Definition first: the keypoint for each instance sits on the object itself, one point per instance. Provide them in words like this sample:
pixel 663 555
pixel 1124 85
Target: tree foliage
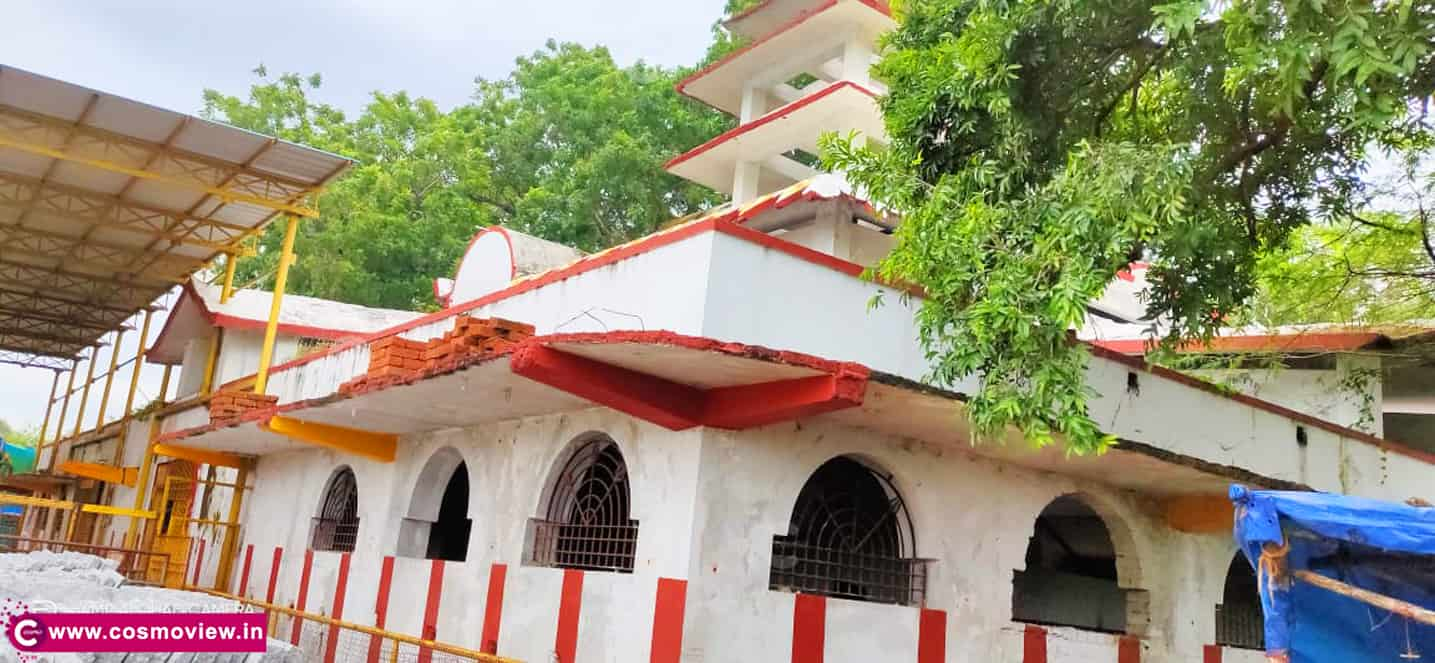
pixel 568 147
pixel 1039 146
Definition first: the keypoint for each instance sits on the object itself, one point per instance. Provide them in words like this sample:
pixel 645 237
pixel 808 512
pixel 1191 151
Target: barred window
pixel 586 524
pixel 1070 577
pixel 1239 620
pixel 850 537
pixel 336 528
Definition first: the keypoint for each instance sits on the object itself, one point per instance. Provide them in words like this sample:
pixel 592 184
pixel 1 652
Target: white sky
pixel 167 53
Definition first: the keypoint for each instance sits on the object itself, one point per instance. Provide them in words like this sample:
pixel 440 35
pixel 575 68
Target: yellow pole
pixel 134 384
pixel 231 534
pixel 266 352
pixel 227 290
pixel 109 380
pixel 147 464
pixel 64 409
pixel 49 406
pixel 207 384
pixel 85 392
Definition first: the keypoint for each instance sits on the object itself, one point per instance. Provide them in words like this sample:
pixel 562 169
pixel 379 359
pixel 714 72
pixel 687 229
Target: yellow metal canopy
pixel 106 203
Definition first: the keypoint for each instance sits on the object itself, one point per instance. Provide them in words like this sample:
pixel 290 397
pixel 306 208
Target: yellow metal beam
pixel 146 468
pixel 109 380
pixel 134 384
pixel 41 502
pixel 29 195
pixel 204 456
pixel 60 426
pixel 37 243
pixel 107 473
pixel 46 136
pixel 376 446
pixel 231 534
pixel 105 510
pixel 85 393
pixel 227 290
pixel 80 287
pixel 49 407
pixel 211 360
pixel 271 328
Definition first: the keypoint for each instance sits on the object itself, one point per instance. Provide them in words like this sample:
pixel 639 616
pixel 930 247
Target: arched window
pixel 437 525
pixel 1070 577
pixel 336 527
pixel 849 537
pixel 1239 620
pixel 586 523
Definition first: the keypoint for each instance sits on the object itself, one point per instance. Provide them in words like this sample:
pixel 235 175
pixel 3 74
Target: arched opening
pixel 587 523
pixel 1239 620
pixel 849 537
pixel 1071 576
pixel 437 525
pixel 336 526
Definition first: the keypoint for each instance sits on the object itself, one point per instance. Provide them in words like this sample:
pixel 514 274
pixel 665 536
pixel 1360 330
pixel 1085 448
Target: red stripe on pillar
pixel 198 564
pixel 244 575
pixel 932 636
pixel 337 610
pixel 493 609
pixel 809 628
pixel 1033 645
pixel 430 631
pixel 570 605
pixel 1129 650
pixel 381 606
pixel 668 621
pixel 303 595
pixel 1211 654
pixel 274 574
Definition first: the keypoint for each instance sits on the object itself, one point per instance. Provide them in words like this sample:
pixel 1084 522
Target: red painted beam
pixel 303 596
pixel 331 645
pixel 198 565
pixel 667 646
pixel 570 606
pixel 244 575
pixel 1033 645
pixel 668 404
pixel 809 628
pixel 932 636
pixel 1128 650
pixel 1211 654
pixel 430 627
pixel 678 406
pixel 274 575
pixel 493 609
pixel 381 606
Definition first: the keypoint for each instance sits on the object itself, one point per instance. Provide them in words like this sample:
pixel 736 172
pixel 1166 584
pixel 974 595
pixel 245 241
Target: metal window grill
pixel 848 538
pixel 336 528
pixel 587 524
pixel 1239 620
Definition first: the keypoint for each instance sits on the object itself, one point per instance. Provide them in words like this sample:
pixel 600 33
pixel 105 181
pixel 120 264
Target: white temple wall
pixel 1348 394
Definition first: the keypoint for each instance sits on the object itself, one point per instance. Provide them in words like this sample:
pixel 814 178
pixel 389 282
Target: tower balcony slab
pixel 841 107
pixel 769 16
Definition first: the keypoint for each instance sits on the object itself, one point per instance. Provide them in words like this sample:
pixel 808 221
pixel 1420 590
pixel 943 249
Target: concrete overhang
pixel 842 107
pixel 767 61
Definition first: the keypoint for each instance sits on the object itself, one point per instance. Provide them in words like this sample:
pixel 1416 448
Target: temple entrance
pixel 171 497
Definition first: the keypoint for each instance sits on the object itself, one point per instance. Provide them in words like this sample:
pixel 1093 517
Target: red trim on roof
pixel 227 321
pixel 1301 417
pixel 773 116
pixel 801 18
pixel 1298 342
pixel 879 5
pixel 512 260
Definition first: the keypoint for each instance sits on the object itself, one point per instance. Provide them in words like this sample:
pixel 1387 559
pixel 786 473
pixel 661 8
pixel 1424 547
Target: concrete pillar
pixel 857 57
pixel 754 104
pixel 745 181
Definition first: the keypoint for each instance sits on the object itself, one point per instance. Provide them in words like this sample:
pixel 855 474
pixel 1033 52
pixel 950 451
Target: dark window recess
pixel 1070 575
pixel 336 528
pixel 587 525
pixel 448 536
pixel 1239 620
pixel 1301 438
pixel 849 537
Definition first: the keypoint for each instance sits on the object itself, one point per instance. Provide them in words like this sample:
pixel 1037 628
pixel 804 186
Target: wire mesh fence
pixel 845 574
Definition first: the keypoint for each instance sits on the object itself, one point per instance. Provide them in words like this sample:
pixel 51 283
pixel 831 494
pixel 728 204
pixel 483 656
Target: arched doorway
pixel 587 521
pixel 849 537
pixel 1071 576
pixel 1239 620
pixel 437 525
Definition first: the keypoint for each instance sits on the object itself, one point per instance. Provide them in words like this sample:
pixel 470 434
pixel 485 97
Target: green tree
pixel 1039 146
pixel 569 147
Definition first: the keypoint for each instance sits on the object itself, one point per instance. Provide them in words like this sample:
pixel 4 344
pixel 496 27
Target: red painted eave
pixel 1304 342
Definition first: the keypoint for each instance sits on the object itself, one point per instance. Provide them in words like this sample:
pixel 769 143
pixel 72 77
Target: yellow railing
pixel 354 643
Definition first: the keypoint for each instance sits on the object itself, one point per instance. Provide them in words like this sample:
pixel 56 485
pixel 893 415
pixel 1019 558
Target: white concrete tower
pixel 805 73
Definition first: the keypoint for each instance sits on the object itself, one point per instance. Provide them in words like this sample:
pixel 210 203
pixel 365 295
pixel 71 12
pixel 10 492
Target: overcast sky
pixel 167 53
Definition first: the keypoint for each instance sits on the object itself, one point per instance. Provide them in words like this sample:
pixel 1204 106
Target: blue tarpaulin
pixel 1378 546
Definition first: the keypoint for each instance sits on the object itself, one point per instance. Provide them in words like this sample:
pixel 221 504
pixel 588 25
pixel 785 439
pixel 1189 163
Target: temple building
pixel 702 445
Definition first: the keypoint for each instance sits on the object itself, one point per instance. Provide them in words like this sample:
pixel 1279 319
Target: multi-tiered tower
pixel 805 72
